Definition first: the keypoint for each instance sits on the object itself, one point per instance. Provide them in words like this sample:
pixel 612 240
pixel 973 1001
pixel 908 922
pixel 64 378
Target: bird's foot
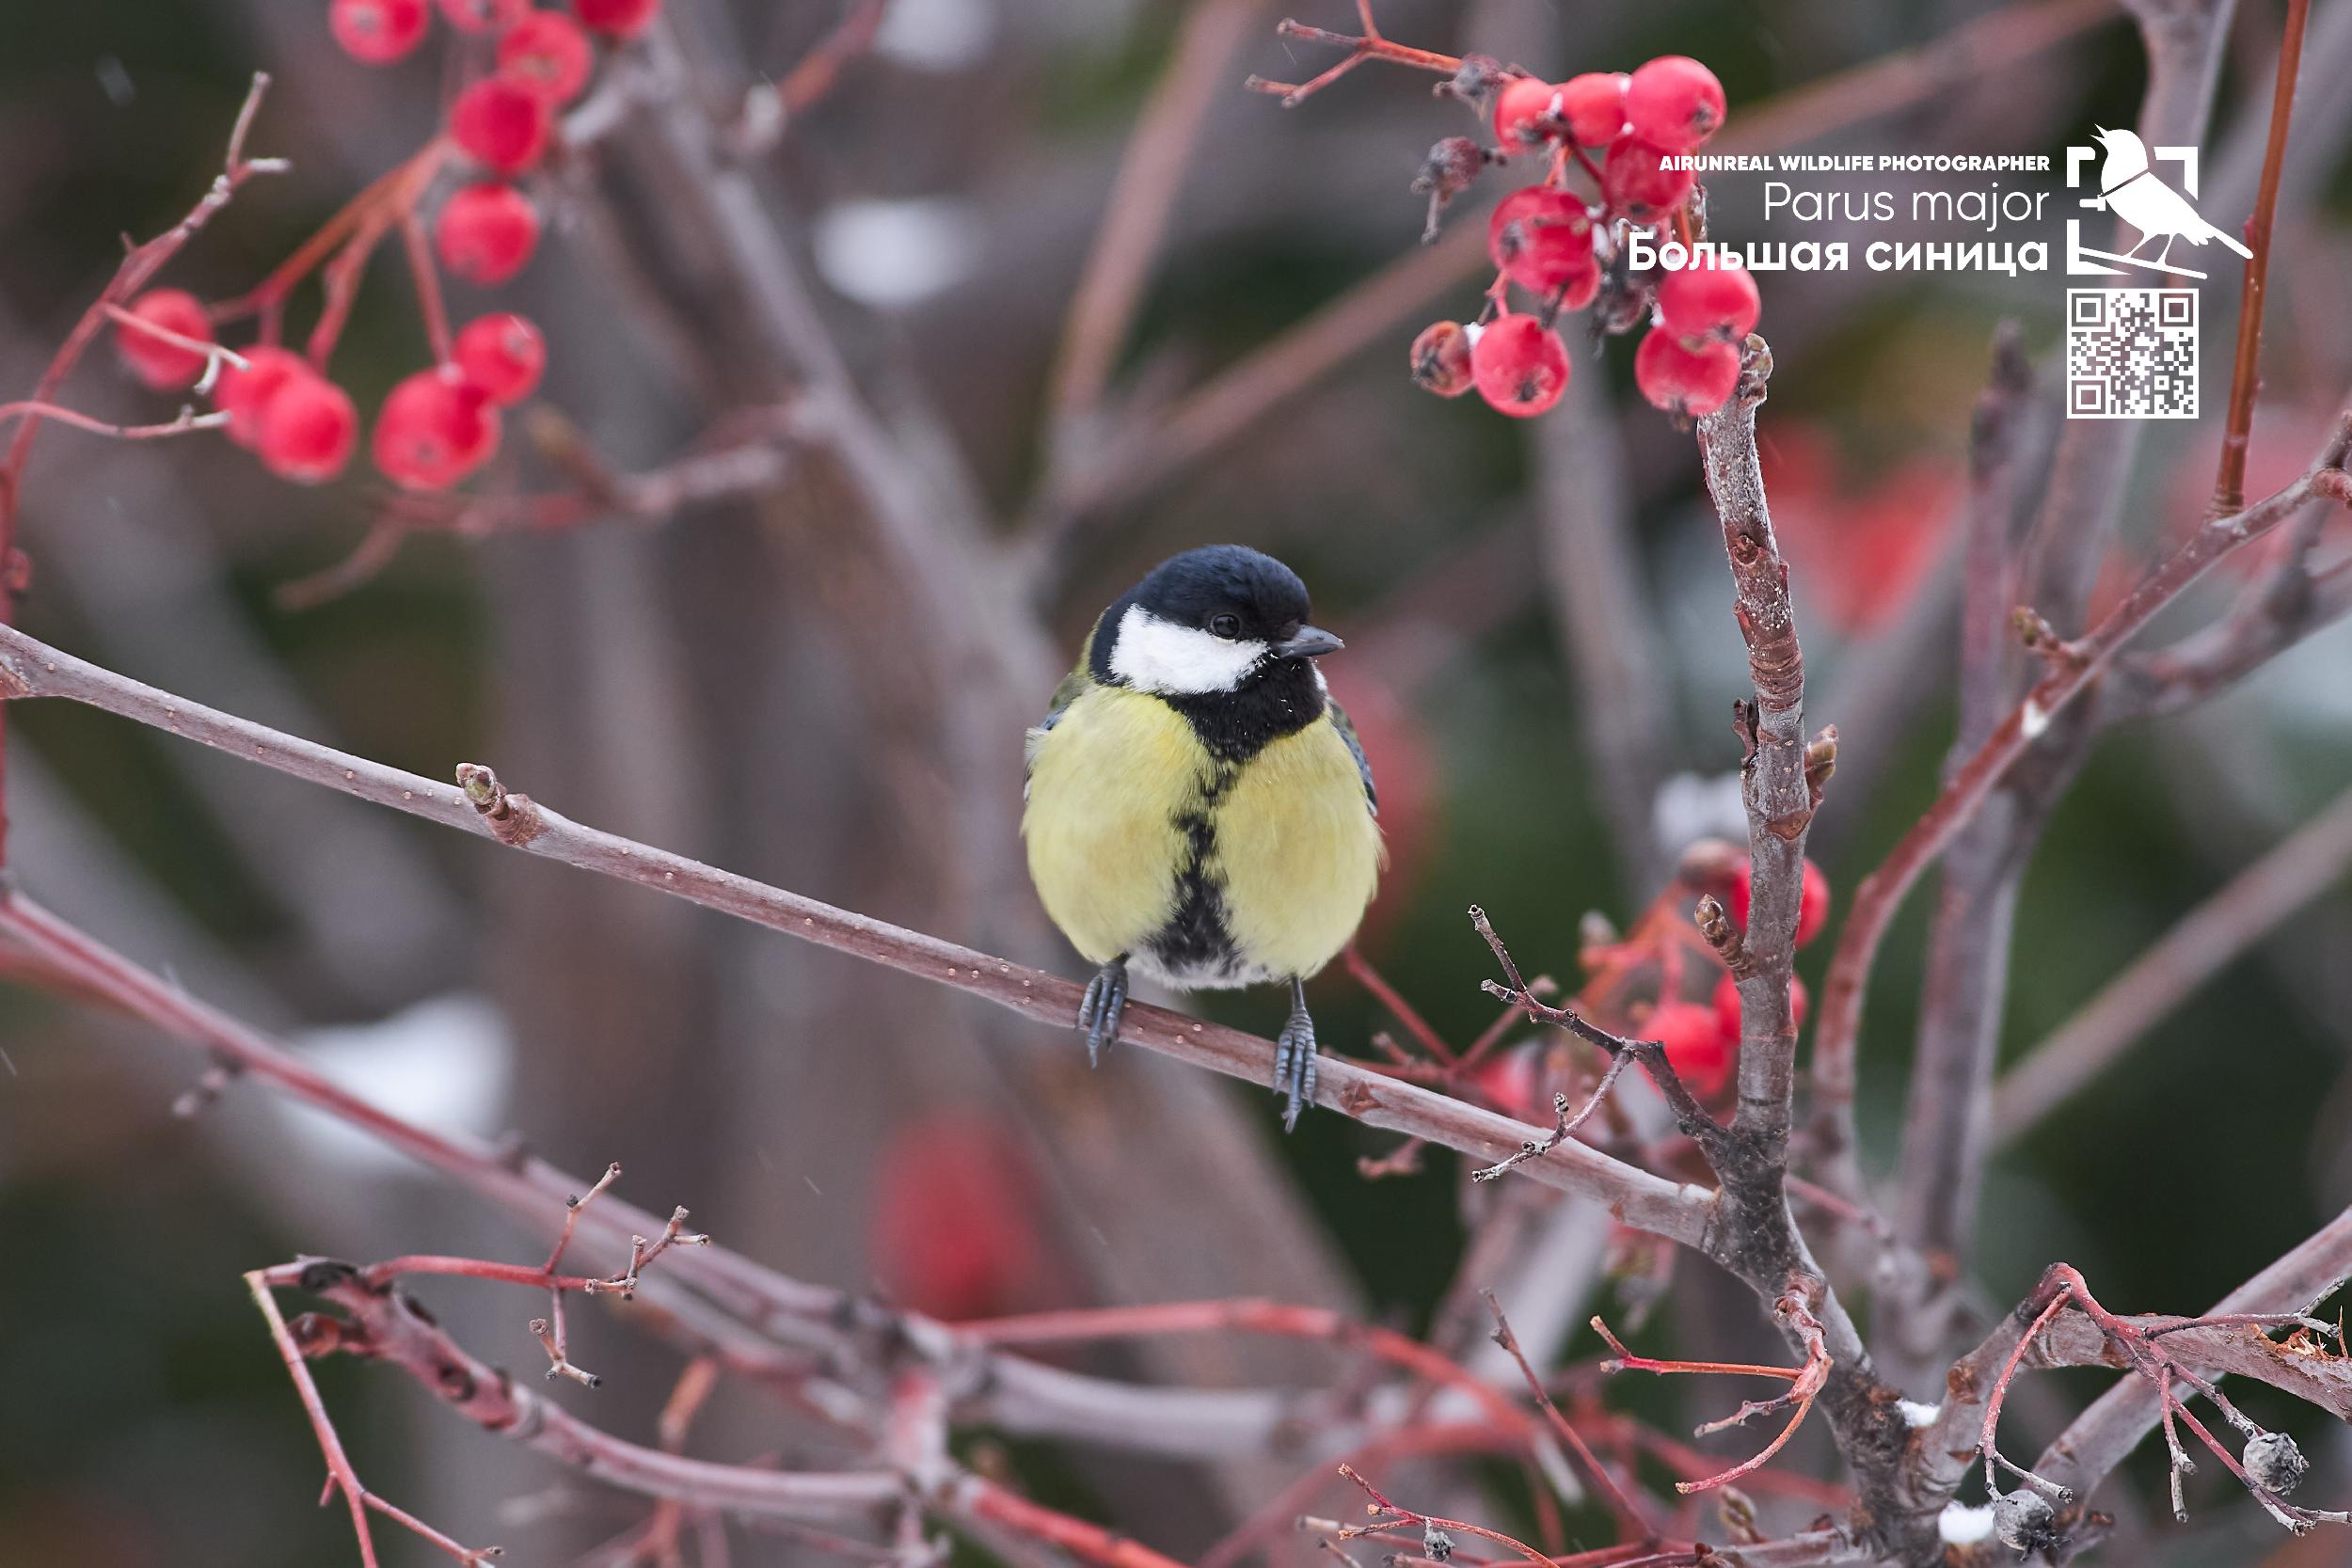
pixel 1295 1060
pixel 1099 1010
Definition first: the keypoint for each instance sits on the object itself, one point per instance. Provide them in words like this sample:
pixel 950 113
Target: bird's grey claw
pixel 1099 1010
pixel 1295 1063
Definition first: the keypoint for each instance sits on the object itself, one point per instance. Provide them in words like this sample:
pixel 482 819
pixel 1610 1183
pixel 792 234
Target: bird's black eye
pixel 1224 626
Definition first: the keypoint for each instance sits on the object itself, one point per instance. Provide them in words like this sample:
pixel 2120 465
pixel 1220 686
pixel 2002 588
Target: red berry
pixel 1520 366
pixel 378 32
pixel 1702 1054
pixel 1442 360
pixel 1594 106
pixel 1633 182
pixel 1812 901
pixel 1691 376
pixel 241 394
pixel 503 355
pixel 1542 239
pixel 956 1231
pixel 483 16
pixel 1716 300
pixel 308 428
pixel 164 367
pixel 1673 102
pixel 436 428
pixel 622 19
pixel 546 53
pixel 1523 102
pixel 485 232
pixel 502 123
pixel 1728 1004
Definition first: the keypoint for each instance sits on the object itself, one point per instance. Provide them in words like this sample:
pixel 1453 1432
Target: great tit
pixel 1198 807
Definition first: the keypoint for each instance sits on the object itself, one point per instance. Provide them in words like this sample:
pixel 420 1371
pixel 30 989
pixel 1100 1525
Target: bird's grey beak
pixel 1309 643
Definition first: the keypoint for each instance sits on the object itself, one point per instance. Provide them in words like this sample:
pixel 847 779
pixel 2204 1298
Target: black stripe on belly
pixel 1195 937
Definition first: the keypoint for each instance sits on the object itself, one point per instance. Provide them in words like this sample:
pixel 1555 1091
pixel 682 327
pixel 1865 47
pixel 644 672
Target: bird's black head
pixel 1215 620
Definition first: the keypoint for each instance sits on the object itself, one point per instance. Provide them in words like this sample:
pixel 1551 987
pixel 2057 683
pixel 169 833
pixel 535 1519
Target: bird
pixel 2141 199
pixel 1197 809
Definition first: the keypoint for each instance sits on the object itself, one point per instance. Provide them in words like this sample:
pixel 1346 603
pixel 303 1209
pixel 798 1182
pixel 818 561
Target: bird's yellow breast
pixel 1137 833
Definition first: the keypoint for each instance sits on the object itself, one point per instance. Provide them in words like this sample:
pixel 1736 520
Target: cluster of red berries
pixel 436 427
pixel 441 423
pixel 1567 251
pixel 1703 1041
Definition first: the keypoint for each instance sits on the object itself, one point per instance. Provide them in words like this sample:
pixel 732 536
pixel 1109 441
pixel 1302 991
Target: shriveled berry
pixel 621 19
pixel 485 232
pixel 1813 899
pixel 1728 1004
pixel 483 16
pixel 1474 79
pixel 1689 377
pixel 1594 106
pixel 1519 365
pixel 546 53
pixel 1442 360
pixel 503 355
pixel 1635 183
pixel 166 367
pixel 1519 107
pixel 378 32
pixel 502 123
pixel 2273 1461
pixel 1673 102
pixel 1716 300
pixel 1541 238
pixel 2025 1521
pixel 241 394
pixel 436 427
pixel 308 429
pixel 1702 1056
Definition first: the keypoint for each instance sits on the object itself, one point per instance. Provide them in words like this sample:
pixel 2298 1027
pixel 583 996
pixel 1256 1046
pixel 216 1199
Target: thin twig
pixel 2229 488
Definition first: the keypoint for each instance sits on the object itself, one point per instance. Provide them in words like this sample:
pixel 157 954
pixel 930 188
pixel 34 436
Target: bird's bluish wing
pixel 1346 727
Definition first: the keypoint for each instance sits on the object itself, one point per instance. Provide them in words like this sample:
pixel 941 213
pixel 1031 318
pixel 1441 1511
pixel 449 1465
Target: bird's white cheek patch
pixel 1161 657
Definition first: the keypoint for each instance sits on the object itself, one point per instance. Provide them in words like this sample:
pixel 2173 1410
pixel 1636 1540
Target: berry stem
pixel 1370 45
pixel 428 282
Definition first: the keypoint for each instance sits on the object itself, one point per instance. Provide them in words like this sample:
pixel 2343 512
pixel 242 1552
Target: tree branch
pixel 482 806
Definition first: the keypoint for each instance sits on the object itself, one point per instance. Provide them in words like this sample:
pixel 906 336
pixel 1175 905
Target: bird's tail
pixel 2232 242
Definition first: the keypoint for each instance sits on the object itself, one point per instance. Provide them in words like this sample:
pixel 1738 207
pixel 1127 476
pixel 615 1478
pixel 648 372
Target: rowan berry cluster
pixel 441 423
pixel 1613 149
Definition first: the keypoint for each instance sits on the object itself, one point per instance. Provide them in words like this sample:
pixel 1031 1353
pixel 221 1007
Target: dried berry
pixel 2025 1521
pixel 2275 1463
pixel 1442 360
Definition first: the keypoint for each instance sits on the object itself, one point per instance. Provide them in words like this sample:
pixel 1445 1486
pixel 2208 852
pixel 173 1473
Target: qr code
pixel 2131 354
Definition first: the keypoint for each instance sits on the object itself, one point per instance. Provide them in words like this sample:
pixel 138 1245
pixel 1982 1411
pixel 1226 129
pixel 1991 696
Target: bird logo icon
pixel 2131 188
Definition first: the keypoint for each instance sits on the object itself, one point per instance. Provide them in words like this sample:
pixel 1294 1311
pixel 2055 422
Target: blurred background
pixel 793 683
